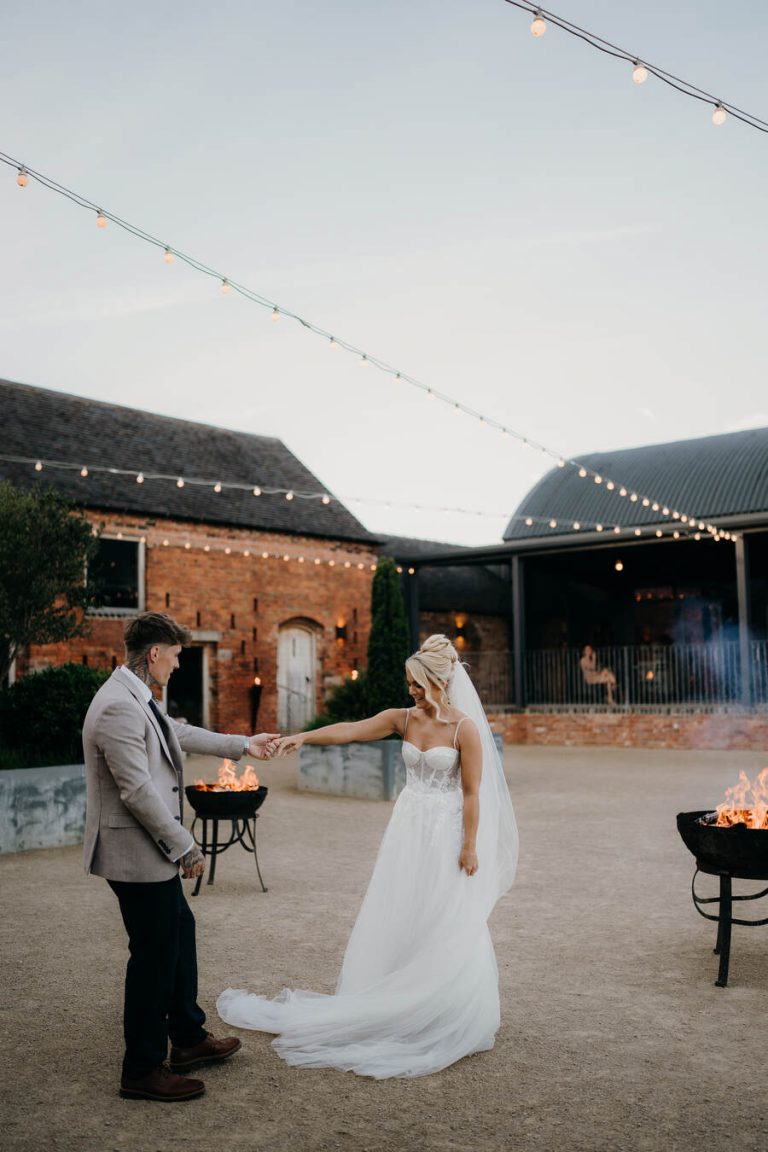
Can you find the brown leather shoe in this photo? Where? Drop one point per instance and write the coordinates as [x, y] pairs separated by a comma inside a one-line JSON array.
[[208, 1051], [161, 1084]]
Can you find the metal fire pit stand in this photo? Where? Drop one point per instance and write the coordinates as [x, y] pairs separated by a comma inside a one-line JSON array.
[[725, 917], [243, 831]]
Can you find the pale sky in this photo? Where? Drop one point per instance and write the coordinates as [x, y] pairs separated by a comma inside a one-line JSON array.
[[510, 220]]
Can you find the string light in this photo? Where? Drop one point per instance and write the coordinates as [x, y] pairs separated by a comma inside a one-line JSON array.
[[640, 70], [101, 220], [324, 497], [168, 256], [23, 178], [254, 297], [275, 314]]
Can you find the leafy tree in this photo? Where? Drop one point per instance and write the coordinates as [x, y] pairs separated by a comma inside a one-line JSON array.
[[44, 548], [388, 644]]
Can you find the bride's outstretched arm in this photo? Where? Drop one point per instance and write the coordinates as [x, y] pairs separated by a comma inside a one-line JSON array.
[[374, 728], [471, 772]]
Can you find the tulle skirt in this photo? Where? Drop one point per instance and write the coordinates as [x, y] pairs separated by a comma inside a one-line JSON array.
[[418, 987]]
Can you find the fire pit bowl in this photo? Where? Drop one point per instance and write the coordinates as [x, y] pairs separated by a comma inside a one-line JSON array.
[[226, 804], [734, 851], [740, 851]]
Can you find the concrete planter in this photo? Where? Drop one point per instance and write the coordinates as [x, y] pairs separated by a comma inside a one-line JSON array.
[[42, 807], [370, 771]]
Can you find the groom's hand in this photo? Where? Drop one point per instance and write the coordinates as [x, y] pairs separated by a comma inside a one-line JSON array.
[[192, 864], [264, 745]]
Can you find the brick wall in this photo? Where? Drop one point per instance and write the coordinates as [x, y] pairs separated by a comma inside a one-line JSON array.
[[636, 730], [242, 601]]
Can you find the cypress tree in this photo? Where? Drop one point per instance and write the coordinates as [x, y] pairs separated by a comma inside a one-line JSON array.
[[388, 644]]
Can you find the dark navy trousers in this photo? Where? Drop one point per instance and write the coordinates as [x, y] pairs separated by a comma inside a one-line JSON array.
[[161, 977]]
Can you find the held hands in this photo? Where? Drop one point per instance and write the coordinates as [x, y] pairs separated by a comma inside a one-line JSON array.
[[290, 743], [468, 860], [264, 745]]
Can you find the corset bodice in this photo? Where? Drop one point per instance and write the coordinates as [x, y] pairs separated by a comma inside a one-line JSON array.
[[436, 770]]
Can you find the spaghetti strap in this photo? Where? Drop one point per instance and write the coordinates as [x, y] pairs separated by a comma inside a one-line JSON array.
[[407, 717], [456, 733]]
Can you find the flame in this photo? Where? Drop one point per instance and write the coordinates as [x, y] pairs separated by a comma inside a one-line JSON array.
[[227, 780], [745, 803]]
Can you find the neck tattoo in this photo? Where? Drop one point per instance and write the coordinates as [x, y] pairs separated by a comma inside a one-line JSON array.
[[138, 665]]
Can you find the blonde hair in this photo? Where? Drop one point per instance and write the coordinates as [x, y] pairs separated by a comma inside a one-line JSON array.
[[432, 667]]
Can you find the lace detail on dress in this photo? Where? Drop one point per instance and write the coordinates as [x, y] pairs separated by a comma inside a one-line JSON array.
[[437, 770]]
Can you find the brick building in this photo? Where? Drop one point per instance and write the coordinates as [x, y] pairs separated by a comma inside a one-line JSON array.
[[271, 575]]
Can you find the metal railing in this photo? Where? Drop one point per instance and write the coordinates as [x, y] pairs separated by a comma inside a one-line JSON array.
[[646, 675]]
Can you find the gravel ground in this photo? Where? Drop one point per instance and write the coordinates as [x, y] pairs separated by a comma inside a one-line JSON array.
[[613, 1034]]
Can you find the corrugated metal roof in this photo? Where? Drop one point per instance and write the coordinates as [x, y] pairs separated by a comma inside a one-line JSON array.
[[707, 478], [50, 425]]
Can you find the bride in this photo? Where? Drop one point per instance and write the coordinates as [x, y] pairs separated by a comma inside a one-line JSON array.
[[418, 987]]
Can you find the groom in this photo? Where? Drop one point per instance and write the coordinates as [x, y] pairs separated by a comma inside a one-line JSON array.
[[134, 838]]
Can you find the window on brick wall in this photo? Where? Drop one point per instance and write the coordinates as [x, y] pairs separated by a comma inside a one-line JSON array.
[[117, 573]]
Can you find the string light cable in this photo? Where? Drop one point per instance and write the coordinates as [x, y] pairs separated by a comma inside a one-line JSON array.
[[681, 526], [641, 68], [227, 284]]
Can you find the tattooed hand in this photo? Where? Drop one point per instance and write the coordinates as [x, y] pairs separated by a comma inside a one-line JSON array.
[[192, 864]]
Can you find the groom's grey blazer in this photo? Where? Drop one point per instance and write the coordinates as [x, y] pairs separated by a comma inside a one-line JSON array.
[[135, 784]]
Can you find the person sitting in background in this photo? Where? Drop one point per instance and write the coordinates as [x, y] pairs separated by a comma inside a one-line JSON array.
[[594, 675]]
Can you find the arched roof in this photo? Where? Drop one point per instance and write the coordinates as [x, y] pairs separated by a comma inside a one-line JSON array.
[[707, 478]]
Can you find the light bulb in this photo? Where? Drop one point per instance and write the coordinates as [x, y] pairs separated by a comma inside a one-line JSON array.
[[719, 116], [101, 220], [646, 502], [333, 344], [553, 523], [598, 527], [187, 545], [217, 487], [619, 566], [582, 472], [168, 256], [539, 25], [598, 479], [633, 497], [179, 483], [639, 73], [83, 471], [206, 547], [289, 495], [576, 525], [326, 499], [610, 485], [166, 543], [247, 552], [659, 532], [39, 466], [363, 360], [275, 314], [638, 532], [23, 178], [617, 529], [140, 478], [529, 521], [622, 491], [561, 463], [224, 287], [257, 491]]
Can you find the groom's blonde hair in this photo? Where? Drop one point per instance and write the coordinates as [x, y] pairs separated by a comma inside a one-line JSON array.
[[432, 667]]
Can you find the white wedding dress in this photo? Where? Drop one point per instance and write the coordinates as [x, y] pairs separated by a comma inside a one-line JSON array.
[[418, 987]]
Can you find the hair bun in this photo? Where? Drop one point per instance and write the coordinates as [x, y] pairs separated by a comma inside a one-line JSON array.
[[440, 646]]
